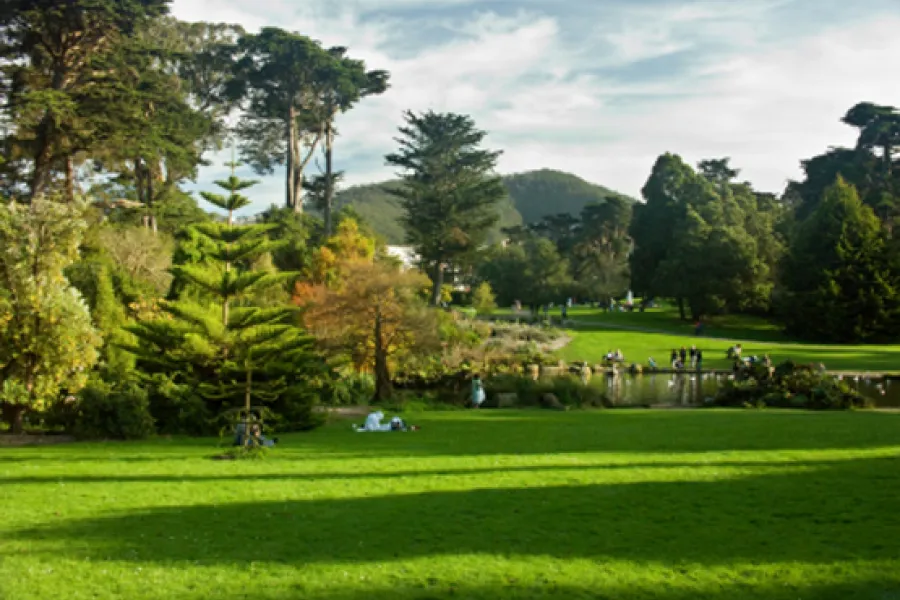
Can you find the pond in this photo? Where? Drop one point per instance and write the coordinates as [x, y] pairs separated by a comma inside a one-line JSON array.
[[688, 389]]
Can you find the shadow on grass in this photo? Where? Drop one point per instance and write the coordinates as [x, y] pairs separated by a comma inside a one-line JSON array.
[[874, 586], [841, 512]]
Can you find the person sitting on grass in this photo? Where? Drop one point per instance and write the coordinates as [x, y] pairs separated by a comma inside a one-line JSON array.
[[256, 437], [373, 423]]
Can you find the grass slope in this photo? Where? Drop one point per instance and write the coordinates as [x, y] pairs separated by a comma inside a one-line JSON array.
[[656, 332], [672, 505]]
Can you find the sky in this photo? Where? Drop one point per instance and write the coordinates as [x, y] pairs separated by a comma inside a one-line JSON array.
[[598, 88]]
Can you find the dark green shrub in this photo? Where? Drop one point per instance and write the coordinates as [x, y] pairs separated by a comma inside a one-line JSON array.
[[789, 386], [295, 409], [177, 409], [105, 412]]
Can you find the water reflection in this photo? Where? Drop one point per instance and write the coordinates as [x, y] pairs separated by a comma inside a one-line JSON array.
[[689, 389]]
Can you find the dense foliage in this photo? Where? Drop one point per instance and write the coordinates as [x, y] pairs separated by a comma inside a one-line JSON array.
[[111, 273], [788, 386]]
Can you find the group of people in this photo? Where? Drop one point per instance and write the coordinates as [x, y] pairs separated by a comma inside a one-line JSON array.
[[615, 357], [682, 359]]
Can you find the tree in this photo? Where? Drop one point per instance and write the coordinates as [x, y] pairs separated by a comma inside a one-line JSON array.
[[279, 77], [450, 195], [374, 315], [505, 269], [52, 50], [230, 348], [341, 84], [483, 299], [47, 341], [840, 279], [703, 239], [652, 227], [879, 127]]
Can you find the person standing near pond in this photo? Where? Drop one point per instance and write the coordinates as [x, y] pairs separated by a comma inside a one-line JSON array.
[[699, 359], [674, 358], [683, 355], [477, 391]]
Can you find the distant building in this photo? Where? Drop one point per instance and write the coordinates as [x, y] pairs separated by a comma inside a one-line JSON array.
[[405, 254]]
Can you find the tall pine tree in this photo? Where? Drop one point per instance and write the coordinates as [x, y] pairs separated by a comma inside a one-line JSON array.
[[231, 350], [450, 193], [840, 279]]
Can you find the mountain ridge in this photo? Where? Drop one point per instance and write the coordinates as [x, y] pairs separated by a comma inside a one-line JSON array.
[[531, 196]]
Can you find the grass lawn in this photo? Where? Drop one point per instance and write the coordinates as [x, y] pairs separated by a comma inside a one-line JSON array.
[[593, 343], [622, 505], [596, 332]]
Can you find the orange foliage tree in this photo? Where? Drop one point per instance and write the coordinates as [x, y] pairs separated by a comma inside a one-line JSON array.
[[374, 314]]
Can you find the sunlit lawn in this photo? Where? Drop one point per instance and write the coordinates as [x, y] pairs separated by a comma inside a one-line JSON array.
[[616, 504], [596, 332], [592, 344]]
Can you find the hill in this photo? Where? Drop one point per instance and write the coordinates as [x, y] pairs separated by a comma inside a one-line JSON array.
[[532, 196], [537, 194]]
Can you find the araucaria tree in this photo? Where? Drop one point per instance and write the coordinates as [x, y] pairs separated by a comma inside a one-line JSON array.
[[47, 341], [231, 349], [450, 193]]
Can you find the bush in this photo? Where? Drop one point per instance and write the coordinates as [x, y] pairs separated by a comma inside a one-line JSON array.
[[295, 409], [350, 389], [105, 412], [789, 386], [177, 409]]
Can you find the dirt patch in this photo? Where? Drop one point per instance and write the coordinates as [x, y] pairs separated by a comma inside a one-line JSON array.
[[346, 412], [9, 439]]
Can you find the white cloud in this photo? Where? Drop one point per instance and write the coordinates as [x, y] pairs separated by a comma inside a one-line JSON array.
[[537, 89]]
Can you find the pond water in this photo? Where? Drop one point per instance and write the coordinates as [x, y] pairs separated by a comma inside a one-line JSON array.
[[656, 389]]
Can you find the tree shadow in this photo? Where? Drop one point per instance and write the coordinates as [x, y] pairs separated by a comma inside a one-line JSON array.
[[874, 586], [842, 512]]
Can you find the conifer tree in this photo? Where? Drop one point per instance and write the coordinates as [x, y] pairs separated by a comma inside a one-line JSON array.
[[232, 350]]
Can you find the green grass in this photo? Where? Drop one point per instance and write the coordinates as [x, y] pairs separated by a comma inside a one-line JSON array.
[[657, 331], [593, 344], [672, 505]]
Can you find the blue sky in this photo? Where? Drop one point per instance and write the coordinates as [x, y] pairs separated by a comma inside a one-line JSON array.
[[599, 88]]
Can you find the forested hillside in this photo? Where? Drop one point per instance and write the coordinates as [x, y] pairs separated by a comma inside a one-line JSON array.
[[532, 196]]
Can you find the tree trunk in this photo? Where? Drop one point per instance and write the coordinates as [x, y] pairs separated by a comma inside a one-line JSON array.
[[383, 387], [70, 180], [888, 159], [248, 394], [43, 158], [329, 177], [298, 188], [437, 283], [14, 414], [290, 160], [681, 311]]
